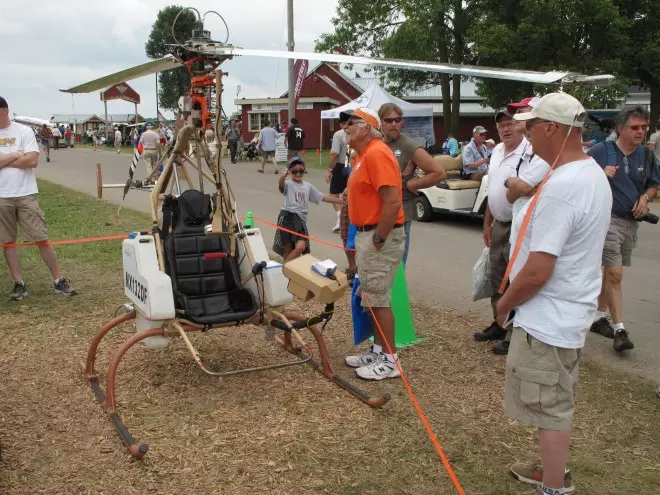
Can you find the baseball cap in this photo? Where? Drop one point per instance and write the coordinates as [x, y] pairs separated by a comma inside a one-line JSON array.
[[479, 130], [530, 101], [296, 160], [366, 114], [503, 112], [557, 107], [3, 103]]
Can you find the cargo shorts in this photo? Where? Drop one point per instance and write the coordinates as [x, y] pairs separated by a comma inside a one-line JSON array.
[[377, 269], [150, 157], [620, 241], [540, 383], [22, 213]]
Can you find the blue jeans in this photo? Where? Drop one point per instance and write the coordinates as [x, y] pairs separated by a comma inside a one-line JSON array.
[[407, 227]]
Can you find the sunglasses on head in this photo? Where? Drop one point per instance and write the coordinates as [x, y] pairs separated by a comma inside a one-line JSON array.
[[389, 120], [638, 127]]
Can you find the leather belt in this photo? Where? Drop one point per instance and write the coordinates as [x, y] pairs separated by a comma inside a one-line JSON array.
[[367, 228]]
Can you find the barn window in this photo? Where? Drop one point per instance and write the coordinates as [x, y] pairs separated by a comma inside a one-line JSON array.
[[257, 120]]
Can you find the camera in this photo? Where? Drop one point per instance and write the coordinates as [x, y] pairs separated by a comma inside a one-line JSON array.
[[650, 218]]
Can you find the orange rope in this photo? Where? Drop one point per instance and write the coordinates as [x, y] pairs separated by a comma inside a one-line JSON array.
[[418, 408], [66, 241], [315, 239]]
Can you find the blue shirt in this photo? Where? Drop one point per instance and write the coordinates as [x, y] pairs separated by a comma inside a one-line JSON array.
[[452, 147], [473, 153], [627, 186], [268, 137]]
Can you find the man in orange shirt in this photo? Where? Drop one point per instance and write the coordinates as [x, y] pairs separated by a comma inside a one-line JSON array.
[[375, 208]]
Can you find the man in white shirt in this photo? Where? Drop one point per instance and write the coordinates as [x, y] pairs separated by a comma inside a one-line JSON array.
[[19, 206], [555, 282], [497, 223], [151, 148], [117, 140]]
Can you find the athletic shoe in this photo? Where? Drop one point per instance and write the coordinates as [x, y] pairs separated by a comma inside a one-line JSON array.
[[501, 348], [277, 171], [493, 332], [363, 359], [62, 287], [603, 327], [336, 228], [621, 341], [532, 473], [381, 369], [19, 291]]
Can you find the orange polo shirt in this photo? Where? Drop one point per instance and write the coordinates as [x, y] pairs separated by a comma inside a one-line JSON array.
[[374, 168]]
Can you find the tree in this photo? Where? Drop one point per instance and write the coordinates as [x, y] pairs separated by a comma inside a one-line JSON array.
[[590, 36], [424, 30], [644, 55], [174, 83]]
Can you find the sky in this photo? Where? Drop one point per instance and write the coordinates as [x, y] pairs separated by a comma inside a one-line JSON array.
[[63, 44]]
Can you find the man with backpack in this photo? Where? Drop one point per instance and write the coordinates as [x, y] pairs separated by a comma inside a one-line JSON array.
[[634, 176]]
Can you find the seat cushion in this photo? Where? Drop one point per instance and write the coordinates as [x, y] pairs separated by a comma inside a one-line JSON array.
[[463, 184]]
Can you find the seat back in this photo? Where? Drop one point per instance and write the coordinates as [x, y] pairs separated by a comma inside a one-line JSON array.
[[205, 277]]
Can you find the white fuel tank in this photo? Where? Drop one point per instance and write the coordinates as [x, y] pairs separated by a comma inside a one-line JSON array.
[[275, 283]]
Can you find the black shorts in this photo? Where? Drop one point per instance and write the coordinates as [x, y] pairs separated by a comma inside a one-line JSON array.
[[294, 223], [339, 179]]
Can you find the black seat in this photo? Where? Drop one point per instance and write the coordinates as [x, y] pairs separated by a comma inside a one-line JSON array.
[[205, 278]]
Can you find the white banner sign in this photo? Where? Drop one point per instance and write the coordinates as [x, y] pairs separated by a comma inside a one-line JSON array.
[[281, 106], [280, 150]]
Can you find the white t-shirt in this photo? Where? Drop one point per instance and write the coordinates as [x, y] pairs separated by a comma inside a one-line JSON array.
[[117, 135], [532, 171], [17, 182], [570, 221], [503, 166]]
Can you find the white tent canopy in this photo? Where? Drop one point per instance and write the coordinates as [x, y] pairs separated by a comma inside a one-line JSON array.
[[373, 98]]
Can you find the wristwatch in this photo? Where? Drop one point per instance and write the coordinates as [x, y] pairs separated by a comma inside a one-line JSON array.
[[378, 239], [646, 196]]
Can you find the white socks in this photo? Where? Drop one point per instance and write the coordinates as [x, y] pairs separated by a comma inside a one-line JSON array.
[[617, 326], [376, 349], [555, 491], [600, 314], [392, 358]]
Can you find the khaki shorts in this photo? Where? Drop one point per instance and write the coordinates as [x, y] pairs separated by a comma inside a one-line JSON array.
[[150, 158], [22, 214], [377, 269], [620, 241], [268, 155], [541, 382]]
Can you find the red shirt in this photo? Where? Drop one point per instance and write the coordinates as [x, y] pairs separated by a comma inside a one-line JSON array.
[[374, 168]]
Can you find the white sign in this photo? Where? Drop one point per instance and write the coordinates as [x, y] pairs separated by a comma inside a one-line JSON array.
[[280, 150], [281, 106]]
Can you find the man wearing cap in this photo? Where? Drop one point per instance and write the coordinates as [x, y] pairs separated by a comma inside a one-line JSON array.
[[554, 285], [19, 203], [497, 223], [410, 155], [151, 148], [634, 177], [475, 155], [375, 208], [532, 170]]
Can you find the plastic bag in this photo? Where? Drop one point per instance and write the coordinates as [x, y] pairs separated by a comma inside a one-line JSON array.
[[482, 285]]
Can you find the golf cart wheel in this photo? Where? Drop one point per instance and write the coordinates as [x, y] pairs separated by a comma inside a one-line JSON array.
[[423, 210]]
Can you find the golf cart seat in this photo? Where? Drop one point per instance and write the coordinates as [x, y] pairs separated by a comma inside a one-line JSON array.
[[453, 167], [205, 277]]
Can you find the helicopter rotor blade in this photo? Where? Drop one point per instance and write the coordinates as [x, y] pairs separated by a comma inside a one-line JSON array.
[[557, 77], [166, 63]]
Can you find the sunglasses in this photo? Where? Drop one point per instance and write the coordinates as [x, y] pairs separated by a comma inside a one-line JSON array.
[[642, 127], [532, 122], [353, 122], [389, 120], [298, 171]]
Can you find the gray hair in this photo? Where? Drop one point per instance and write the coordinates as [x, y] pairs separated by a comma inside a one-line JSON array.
[[636, 112]]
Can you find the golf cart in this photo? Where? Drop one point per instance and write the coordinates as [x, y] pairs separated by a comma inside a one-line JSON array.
[[454, 195]]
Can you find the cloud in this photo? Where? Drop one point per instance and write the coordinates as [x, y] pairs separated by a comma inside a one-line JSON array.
[[62, 45]]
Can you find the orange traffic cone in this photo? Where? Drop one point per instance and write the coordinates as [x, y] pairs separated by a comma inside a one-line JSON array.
[[318, 151]]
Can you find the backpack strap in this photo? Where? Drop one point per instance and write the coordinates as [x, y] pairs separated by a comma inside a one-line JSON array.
[[612, 158]]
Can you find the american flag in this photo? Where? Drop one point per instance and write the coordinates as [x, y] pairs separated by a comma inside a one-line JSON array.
[[161, 117]]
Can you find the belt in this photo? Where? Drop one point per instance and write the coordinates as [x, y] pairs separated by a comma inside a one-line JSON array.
[[503, 223], [150, 149], [367, 228]]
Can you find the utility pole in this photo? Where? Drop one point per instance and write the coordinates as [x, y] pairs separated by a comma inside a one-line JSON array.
[[156, 98], [292, 76]]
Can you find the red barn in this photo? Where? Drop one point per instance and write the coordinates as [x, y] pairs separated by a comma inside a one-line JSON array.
[[325, 87]]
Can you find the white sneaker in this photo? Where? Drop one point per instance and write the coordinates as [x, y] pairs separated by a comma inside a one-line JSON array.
[[336, 228], [379, 370], [362, 359]]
